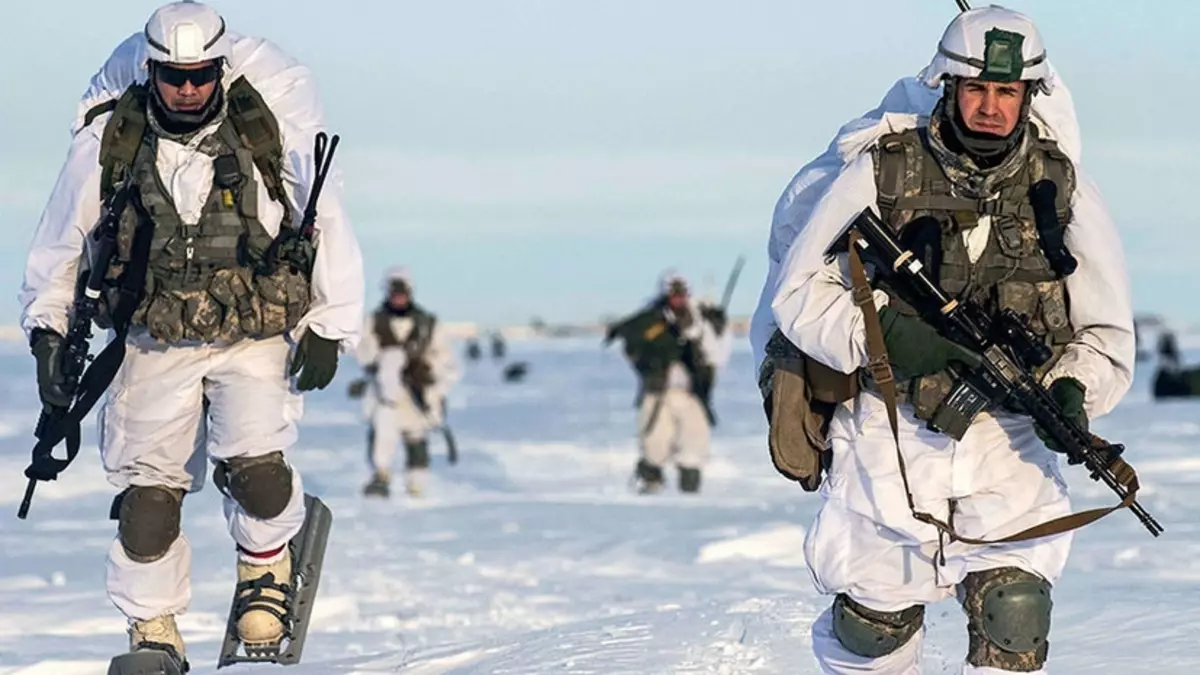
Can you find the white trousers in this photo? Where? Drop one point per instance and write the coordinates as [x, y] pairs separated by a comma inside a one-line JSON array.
[[866, 544], [678, 431], [402, 420], [166, 405]]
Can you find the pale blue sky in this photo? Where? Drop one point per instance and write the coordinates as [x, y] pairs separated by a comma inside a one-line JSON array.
[[550, 157]]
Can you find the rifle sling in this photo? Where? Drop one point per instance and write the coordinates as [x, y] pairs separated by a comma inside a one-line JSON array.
[[103, 370], [880, 369]]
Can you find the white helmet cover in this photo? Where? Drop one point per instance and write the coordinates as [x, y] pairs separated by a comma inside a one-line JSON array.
[[991, 43], [186, 32], [671, 282], [397, 276]]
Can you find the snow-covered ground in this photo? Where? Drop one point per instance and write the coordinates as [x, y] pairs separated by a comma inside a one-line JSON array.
[[533, 556]]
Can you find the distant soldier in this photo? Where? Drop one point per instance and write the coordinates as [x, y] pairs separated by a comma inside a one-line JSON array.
[[410, 368], [474, 352], [498, 347], [675, 347], [1173, 380]]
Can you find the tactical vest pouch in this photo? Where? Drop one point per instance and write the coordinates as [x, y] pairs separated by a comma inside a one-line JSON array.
[[800, 396], [233, 289], [286, 296], [227, 172]]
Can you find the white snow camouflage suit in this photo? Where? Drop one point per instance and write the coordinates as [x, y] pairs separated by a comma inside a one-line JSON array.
[[864, 542], [172, 402]]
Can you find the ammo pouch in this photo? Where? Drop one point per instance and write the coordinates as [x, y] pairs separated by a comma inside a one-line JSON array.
[[800, 396]]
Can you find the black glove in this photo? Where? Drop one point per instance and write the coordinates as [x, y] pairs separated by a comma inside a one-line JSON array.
[[47, 349], [317, 357], [1069, 394], [915, 348]]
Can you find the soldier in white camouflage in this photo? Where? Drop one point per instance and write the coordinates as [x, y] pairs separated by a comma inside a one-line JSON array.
[[232, 310], [410, 369], [987, 195]]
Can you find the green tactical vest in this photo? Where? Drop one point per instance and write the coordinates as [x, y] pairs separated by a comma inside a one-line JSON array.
[[1012, 272], [419, 338], [211, 281]]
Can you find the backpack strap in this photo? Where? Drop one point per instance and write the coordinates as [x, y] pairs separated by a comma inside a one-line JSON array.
[[98, 110], [421, 335], [122, 136], [891, 161], [258, 130], [1059, 168]]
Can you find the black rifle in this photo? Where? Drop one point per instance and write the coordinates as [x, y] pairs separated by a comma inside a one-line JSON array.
[[1010, 351], [84, 384], [731, 282]]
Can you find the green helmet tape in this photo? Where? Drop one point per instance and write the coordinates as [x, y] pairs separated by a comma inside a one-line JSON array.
[[1002, 60]]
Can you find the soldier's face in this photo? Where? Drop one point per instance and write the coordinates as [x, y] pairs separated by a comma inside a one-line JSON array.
[[186, 87], [398, 299], [677, 301], [991, 107]]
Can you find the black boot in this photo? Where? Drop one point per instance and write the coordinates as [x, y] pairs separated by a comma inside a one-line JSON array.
[[378, 486], [650, 477], [417, 454], [689, 479]]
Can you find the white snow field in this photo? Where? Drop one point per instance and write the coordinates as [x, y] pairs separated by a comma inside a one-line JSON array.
[[532, 555]]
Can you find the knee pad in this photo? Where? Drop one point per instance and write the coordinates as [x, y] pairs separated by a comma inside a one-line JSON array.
[[416, 454], [147, 520], [1008, 619], [871, 634], [261, 485]]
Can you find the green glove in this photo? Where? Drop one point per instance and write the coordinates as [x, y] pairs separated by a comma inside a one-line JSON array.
[[915, 348], [316, 360], [1069, 394]]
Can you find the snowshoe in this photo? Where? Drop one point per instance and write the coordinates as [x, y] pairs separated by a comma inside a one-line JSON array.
[[307, 554], [650, 487], [151, 659], [155, 648]]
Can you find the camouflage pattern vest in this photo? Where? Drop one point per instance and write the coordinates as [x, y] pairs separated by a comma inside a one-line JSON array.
[[1011, 273], [219, 279], [419, 338]]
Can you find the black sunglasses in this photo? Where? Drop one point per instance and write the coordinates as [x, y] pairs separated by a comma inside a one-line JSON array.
[[176, 77]]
